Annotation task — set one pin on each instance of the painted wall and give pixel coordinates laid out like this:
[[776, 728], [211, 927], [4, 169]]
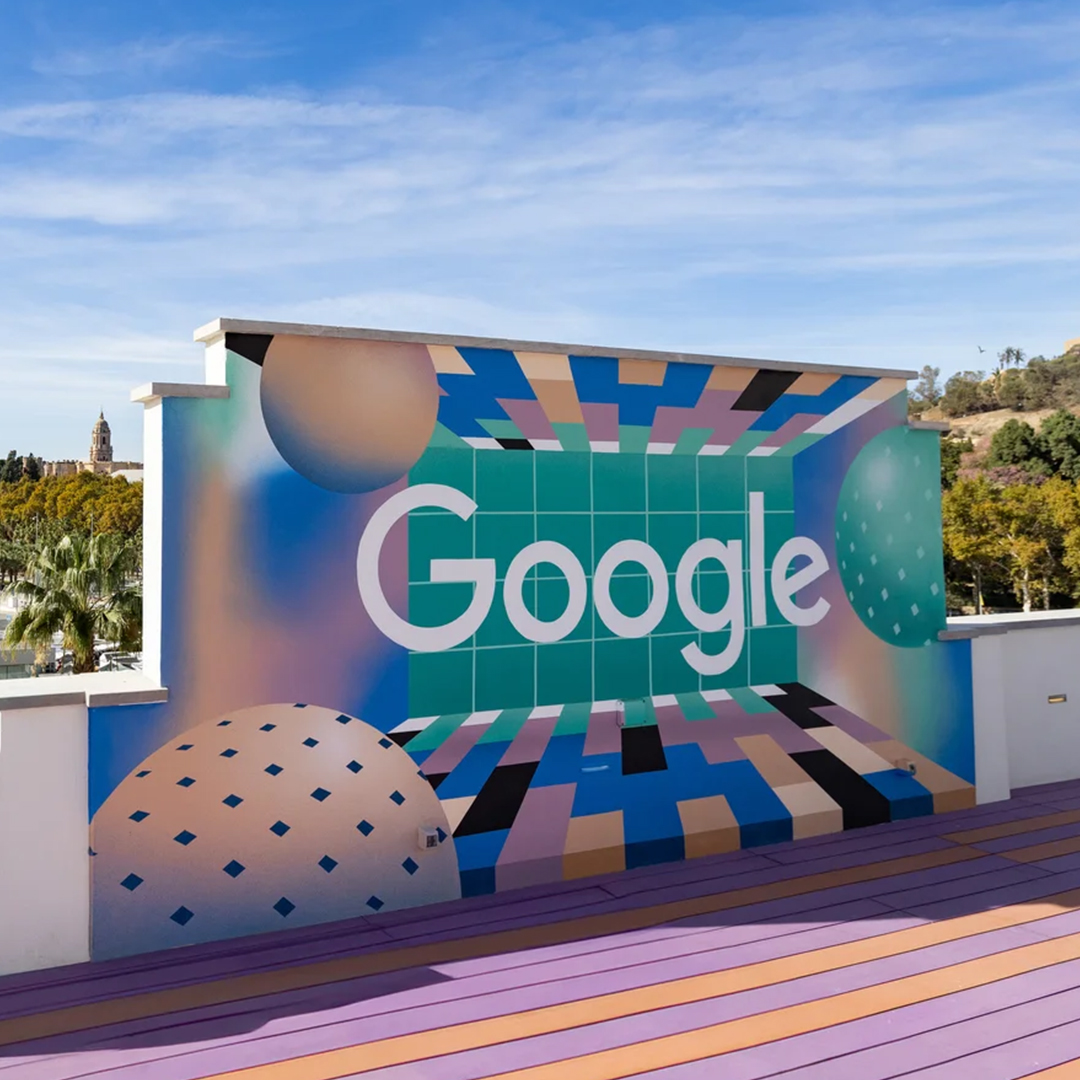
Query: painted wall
[[44, 863], [562, 614], [1024, 737]]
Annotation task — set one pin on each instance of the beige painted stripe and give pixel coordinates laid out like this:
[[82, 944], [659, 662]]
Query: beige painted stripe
[[812, 383], [813, 811], [709, 826], [458, 1038], [642, 372], [243, 987], [883, 389], [559, 400], [448, 361], [768, 1027], [547, 367], [730, 378], [1038, 852], [1014, 828], [849, 750], [768, 757]]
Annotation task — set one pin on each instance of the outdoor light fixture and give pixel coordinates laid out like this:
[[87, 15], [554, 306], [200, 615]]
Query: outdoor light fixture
[[1056, 699]]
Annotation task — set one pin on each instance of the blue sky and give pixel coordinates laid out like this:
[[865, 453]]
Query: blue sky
[[876, 184]]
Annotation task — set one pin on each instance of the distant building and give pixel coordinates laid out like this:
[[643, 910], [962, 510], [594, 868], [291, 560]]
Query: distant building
[[100, 459]]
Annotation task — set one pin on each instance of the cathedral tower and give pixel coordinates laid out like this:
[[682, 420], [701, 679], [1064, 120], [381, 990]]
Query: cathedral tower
[[101, 442]]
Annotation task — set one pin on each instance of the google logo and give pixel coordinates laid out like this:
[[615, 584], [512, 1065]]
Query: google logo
[[786, 581]]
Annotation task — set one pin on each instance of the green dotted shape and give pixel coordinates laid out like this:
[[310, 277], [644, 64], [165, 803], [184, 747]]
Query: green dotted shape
[[888, 538]]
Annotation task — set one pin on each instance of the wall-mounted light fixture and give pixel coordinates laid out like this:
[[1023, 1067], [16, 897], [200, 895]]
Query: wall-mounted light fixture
[[1056, 699]]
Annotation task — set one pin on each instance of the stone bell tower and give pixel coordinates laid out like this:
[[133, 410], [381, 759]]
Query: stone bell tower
[[101, 442]]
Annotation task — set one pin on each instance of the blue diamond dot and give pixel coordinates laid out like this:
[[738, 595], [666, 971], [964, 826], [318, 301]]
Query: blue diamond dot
[[374, 903], [366, 828], [311, 742], [184, 837], [186, 746], [268, 727], [397, 797], [327, 863], [186, 782], [284, 907], [139, 815], [385, 743], [300, 705], [145, 772], [279, 828], [409, 867], [354, 766], [273, 770], [224, 723], [131, 882], [232, 800], [320, 794], [234, 869], [182, 916], [343, 719], [230, 752]]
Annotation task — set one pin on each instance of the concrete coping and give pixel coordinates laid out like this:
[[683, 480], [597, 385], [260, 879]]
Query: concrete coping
[[95, 690], [930, 425], [214, 331], [155, 391], [973, 626]]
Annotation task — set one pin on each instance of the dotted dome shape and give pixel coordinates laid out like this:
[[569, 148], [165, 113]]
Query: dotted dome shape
[[275, 816], [351, 416], [888, 538]]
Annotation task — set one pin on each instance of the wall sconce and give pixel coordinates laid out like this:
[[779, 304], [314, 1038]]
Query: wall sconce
[[1056, 699]]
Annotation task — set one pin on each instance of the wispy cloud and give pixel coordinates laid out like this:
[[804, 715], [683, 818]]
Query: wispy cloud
[[882, 186], [136, 57]]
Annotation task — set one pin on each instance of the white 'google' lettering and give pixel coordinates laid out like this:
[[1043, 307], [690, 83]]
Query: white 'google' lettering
[[481, 573]]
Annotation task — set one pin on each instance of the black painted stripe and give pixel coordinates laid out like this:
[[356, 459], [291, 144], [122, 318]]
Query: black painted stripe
[[797, 712], [514, 444], [402, 737], [499, 800], [764, 388], [250, 346], [860, 801], [804, 695], [642, 750]]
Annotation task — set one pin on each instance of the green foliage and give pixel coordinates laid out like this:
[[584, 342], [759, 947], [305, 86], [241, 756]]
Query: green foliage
[[83, 588], [966, 393], [1016, 443], [1059, 434], [11, 470], [82, 503], [927, 392], [952, 449]]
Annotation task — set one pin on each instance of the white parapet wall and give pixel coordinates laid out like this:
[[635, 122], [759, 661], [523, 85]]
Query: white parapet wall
[[1026, 679], [44, 849]]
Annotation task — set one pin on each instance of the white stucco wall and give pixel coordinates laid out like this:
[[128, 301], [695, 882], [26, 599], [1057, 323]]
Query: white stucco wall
[[1019, 662], [44, 860]]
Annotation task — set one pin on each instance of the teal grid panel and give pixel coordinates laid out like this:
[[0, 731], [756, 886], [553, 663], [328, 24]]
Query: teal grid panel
[[588, 502]]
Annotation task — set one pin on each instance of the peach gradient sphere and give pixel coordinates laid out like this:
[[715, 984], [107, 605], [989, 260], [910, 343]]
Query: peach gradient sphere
[[351, 416]]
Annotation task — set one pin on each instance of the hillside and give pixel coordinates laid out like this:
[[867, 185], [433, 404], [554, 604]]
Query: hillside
[[980, 427]]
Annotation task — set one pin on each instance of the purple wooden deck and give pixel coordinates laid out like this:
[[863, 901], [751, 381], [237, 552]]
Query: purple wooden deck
[[940, 947]]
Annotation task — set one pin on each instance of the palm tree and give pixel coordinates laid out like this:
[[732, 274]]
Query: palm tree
[[84, 588]]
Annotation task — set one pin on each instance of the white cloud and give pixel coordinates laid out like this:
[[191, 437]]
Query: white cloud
[[867, 187]]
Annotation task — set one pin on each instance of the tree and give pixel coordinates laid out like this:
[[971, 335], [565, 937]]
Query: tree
[[11, 470], [927, 392], [1010, 357], [952, 449], [1011, 390], [1059, 434], [964, 394], [971, 541], [1015, 443], [32, 469], [83, 588]]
